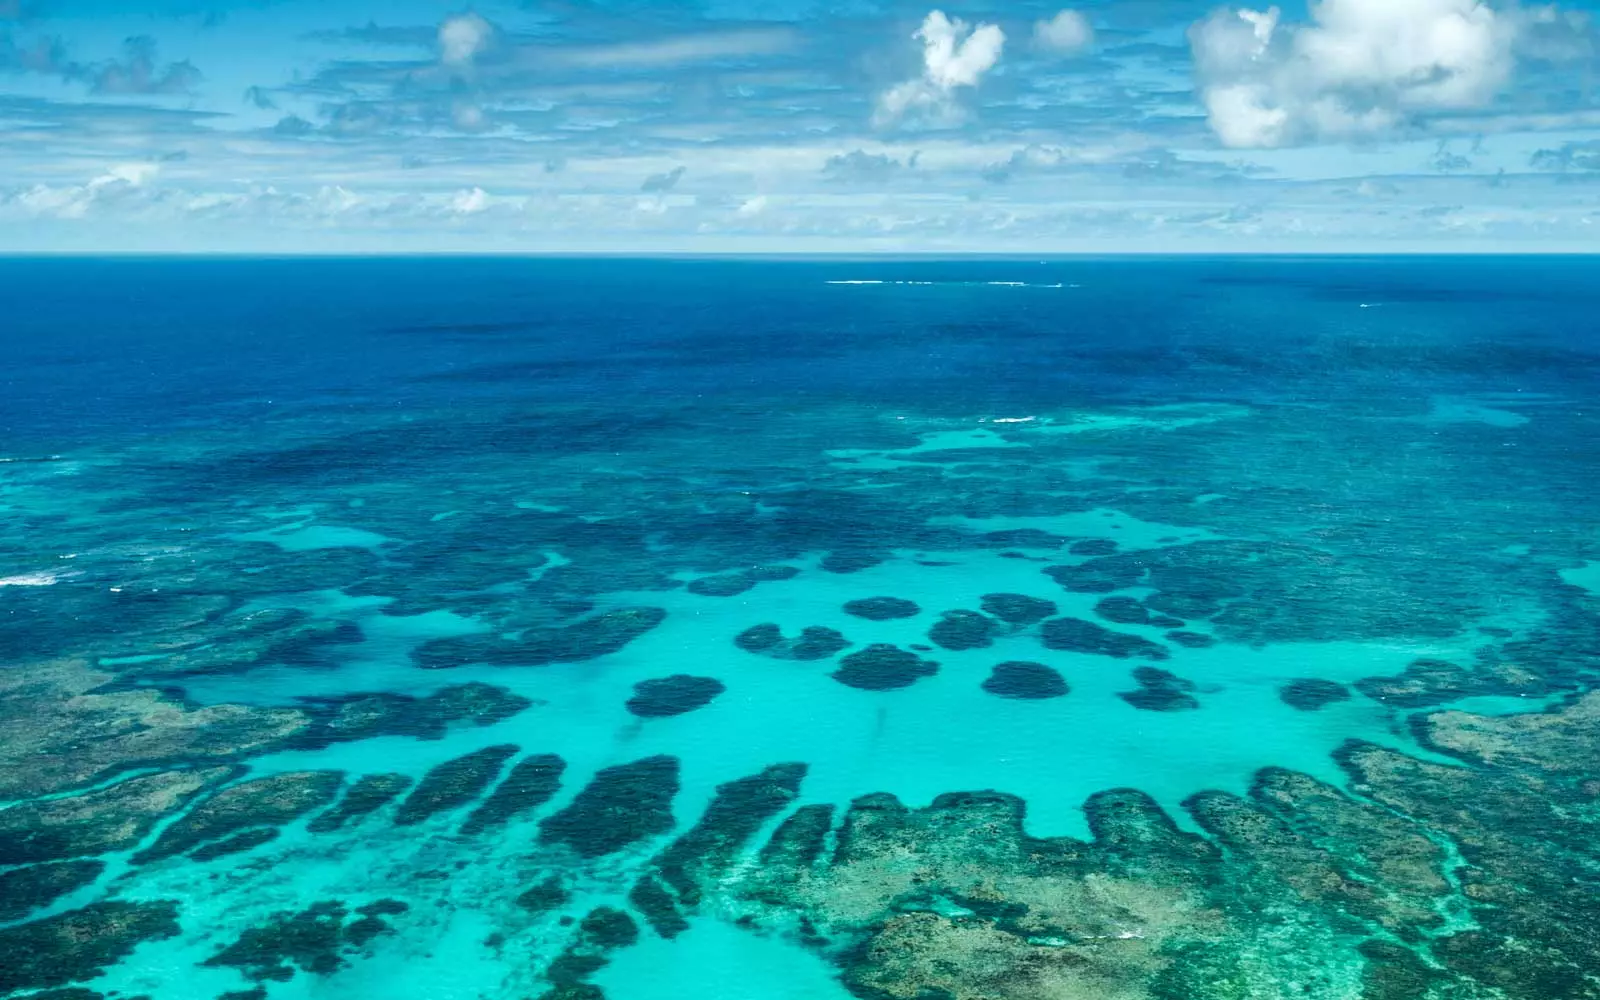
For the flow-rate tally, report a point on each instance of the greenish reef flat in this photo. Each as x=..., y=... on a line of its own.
x=1121, y=652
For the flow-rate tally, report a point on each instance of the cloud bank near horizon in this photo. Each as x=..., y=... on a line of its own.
x=803, y=124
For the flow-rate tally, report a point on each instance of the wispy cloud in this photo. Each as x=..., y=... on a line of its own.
x=1067, y=33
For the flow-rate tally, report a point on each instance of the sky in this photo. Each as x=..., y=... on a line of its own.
x=798, y=126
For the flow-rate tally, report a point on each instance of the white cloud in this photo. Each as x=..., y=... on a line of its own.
x=954, y=55
x=463, y=38
x=1067, y=33
x=1357, y=68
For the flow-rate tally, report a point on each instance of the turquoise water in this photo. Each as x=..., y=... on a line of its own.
x=381, y=524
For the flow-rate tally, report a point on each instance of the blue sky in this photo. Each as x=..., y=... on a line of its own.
x=798, y=126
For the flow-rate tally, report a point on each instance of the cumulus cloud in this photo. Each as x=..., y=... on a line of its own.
x=954, y=55
x=1068, y=33
x=463, y=38
x=662, y=183
x=1357, y=68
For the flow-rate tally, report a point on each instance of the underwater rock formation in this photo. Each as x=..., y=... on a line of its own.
x=882, y=609
x=1078, y=636
x=23, y=890
x=272, y=801
x=370, y=793
x=114, y=818
x=1310, y=694
x=734, y=584
x=532, y=782
x=454, y=783
x=1161, y=691
x=77, y=945
x=1427, y=683
x=364, y=716
x=1018, y=610
x=61, y=728
x=601, y=932
x=815, y=642
x=622, y=805
x=882, y=667
x=598, y=635
x=318, y=940
x=708, y=850
x=1025, y=680
x=675, y=695
x=958, y=630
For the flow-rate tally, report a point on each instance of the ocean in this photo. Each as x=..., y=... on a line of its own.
x=638, y=629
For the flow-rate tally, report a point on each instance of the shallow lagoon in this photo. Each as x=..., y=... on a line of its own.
x=1315, y=581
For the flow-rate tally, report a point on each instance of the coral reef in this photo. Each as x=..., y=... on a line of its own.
x=621, y=806
x=1025, y=680
x=260, y=802
x=675, y=695
x=454, y=783
x=882, y=667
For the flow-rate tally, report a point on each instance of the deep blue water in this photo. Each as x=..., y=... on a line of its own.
x=665, y=563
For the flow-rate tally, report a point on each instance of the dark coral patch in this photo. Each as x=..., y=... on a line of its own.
x=533, y=782
x=1312, y=694
x=454, y=783
x=675, y=695
x=734, y=584
x=958, y=630
x=1093, y=547
x=77, y=945
x=107, y=819
x=599, y=635
x=852, y=560
x=1192, y=640
x=25, y=889
x=545, y=897
x=1428, y=682
x=652, y=900
x=739, y=809
x=1161, y=691
x=880, y=609
x=622, y=805
x=263, y=802
x=1123, y=610
x=1020, y=679
x=882, y=667
x=365, y=797
x=315, y=940
x=363, y=716
x=1018, y=609
x=814, y=642
x=236, y=844
x=1079, y=636
x=1095, y=577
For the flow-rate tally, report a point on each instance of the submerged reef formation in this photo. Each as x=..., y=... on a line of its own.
x=1423, y=881
x=252, y=809
x=882, y=667
x=621, y=806
x=62, y=726
x=815, y=642
x=419, y=679
x=882, y=609
x=598, y=635
x=675, y=695
x=1026, y=680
